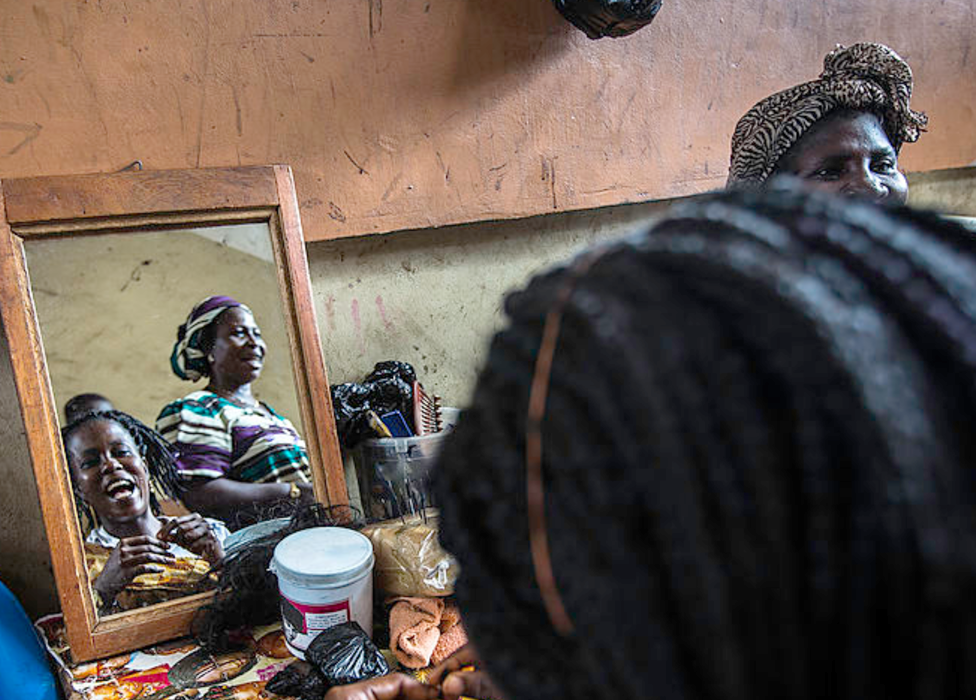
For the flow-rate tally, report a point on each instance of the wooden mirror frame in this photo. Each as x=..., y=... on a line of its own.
x=128, y=202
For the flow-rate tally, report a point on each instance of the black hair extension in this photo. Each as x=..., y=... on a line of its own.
x=757, y=461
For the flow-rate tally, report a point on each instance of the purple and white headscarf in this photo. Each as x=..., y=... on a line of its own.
x=189, y=361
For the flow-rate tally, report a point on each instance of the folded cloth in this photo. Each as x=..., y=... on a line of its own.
x=450, y=641
x=424, y=630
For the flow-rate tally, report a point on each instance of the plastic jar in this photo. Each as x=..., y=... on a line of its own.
x=394, y=473
x=325, y=577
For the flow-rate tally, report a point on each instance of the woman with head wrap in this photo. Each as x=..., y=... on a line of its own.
x=236, y=454
x=840, y=133
x=730, y=458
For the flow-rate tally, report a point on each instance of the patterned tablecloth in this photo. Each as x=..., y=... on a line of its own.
x=176, y=670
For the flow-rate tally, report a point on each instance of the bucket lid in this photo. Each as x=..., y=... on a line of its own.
x=323, y=555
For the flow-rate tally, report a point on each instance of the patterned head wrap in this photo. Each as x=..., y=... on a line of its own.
x=868, y=77
x=189, y=361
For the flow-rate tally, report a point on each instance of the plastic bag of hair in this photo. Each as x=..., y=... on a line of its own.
x=345, y=654
x=409, y=559
x=298, y=680
x=614, y=18
x=389, y=387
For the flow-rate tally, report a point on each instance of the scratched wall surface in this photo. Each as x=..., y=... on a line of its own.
x=402, y=114
x=433, y=298
x=109, y=307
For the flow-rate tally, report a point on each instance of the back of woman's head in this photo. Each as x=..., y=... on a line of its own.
x=756, y=462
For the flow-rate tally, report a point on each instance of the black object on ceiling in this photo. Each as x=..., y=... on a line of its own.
x=616, y=18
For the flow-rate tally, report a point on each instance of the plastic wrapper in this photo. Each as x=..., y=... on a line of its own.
x=287, y=682
x=614, y=18
x=389, y=387
x=298, y=681
x=392, y=369
x=337, y=656
x=409, y=560
x=345, y=654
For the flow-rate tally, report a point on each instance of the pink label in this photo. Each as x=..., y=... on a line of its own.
x=315, y=617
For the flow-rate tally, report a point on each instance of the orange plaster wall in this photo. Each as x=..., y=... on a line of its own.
x=403, y=114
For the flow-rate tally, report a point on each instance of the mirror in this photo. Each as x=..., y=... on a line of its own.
x=98, y=272
x=108, y=307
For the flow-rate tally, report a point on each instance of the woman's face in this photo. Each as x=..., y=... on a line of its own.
x=238, y=349
x=108, y=471
x=847, y=153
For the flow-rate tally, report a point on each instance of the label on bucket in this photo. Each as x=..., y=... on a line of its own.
x=302, y=622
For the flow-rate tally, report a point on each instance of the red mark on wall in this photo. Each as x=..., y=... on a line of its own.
x=330, y=312
x=387, y=323
x=357, y=324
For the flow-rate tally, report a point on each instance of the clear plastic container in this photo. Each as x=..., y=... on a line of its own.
x=394, y=474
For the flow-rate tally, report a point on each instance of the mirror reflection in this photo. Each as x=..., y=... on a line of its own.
x=168, y=352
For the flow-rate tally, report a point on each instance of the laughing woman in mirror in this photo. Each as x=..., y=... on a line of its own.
x=135, y=556
x=237, y=456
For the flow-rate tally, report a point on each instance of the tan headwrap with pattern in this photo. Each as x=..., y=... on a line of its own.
x=869, y=77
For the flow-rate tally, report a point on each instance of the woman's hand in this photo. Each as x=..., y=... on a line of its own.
x=192, y=532
x=131, y=557
x=393, y=687
x=458, y=675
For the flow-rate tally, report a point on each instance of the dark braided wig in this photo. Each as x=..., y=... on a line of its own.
x=757, y=462
x=158, y=455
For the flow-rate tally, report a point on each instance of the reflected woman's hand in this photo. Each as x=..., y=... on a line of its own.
x=194, y=533
x=130, y=558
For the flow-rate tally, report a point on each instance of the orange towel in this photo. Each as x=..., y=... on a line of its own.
x=450, y=641
x=424, y=631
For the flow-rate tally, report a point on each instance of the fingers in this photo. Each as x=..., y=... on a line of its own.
x=393, y=687
x=133, y=556
x=472, y=684
x=139, y=558
x=166, y=531
x=192, y=532
x=144, y=569
x=134, y=551
x=465, y=656
x=184, y=529
x=143, y=543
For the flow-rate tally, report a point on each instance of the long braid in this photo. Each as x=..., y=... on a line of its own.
x=158, y=455
x=757, y=458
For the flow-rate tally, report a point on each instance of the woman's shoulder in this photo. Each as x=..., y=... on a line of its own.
x=200, y=402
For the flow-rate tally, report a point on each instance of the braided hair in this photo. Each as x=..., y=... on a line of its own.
x=158, y=455
x=757, y=462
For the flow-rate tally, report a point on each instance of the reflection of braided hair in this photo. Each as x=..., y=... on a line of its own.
x=158, y=455
x=757, y=462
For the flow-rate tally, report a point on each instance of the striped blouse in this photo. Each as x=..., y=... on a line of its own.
x=217, y=438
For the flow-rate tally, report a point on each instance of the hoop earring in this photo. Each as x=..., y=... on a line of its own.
x=534, y=484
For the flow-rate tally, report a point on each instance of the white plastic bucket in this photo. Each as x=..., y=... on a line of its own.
x=325, y=577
